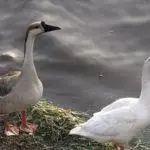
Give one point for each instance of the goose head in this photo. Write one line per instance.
(39, 27)
(35, 29)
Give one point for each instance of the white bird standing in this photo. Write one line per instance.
(23, 88)
(122, 120)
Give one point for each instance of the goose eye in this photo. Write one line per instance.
(36, 27)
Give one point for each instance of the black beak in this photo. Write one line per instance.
(48, 28)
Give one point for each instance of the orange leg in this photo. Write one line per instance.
(27, 127)
(23, 118)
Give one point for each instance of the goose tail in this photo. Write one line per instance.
(77, 131)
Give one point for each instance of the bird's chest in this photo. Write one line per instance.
(132, 130)
(31, 91)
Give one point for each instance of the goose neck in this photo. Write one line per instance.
(28, 51)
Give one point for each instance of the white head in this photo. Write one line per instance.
(39, 27)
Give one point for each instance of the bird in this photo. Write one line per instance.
(122, 120)
(21, 88)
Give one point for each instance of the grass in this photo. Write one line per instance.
(54, 125)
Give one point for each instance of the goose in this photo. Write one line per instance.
(122, 120)
(22, 87)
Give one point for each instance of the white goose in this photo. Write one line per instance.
(122, 120)
(27, 88)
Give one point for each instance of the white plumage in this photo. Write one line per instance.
(122, 120)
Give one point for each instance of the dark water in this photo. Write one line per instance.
(98, 37)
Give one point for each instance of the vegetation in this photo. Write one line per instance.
(54, 125)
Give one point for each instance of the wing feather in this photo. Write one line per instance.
(8, 80)
(111, 123)
(118, 104)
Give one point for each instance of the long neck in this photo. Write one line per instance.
(145, 91)
(28, 49)
(28, 64)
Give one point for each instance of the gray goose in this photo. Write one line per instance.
(21, 88)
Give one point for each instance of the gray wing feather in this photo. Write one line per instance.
(8, 80)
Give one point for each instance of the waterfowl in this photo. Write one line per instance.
(23, 87)
(122, 120)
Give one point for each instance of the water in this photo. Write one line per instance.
(98, 37)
